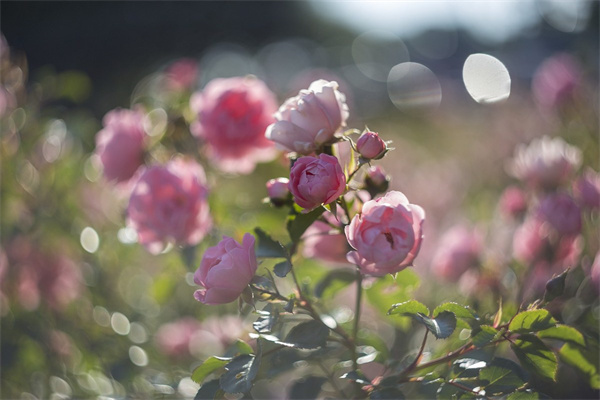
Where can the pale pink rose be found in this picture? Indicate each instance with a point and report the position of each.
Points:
(562, 213)
(371, 146)
(387, 235)
(311, 119)
(216, 334)
(226, 270)
(545, 163)
(181, 74)
(315, 181)
(173, 338)
(278, 190)
(324, 243)
(459, 250)
(169, 204)
(120, 144)
(586, 189)
(513, 202)
(232, 116)
(555, 80)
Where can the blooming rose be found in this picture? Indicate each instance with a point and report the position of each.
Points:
(310, 119)
(226, 270)
(120, 145)
(555, 80)
(371, 146)
(315, 181)
(387, 235)
(545, 163)
(233, 114)
(169, 204)
(562, 213)
(586, 189)
(459, 250)
(278, 191)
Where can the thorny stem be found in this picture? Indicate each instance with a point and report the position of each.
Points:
(418, 357)
(356, 317)
(355, 171)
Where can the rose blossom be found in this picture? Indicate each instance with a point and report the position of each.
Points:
(324, 243)
(278, 191)
(174, 337)
(562, 213)
(226, 270)
(169, 204)
(315, 181)
(120, 144)
(387, 235)
(586, 189)
(459, 250)
(232, 116)
(371, 146)
(311, 119)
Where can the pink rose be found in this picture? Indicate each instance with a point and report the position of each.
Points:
(562, 213)
(226, 270)
(513, 202)
(169, 204)
(315, 181)
(278, 191)
(181, 74)
(371, 146)
(586, 189)
(310, 119)
(324, 243)
(174, 338)
(458, 251)
(555, 80)
(120, 145)
(232, 116)
(387, 235)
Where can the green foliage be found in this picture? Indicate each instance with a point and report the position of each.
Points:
(564, 333)
(306, 388)
(391, 290)
(333, 282)
(307, 335)
(408, 308)
(269, 247)
(458, 310)
(208, 367)
(501, 376)
(282, 269)
(531, 321)
(535, 357)
(442, 326)
(210, 390)
(298, 223)
(484, 335)
(583, 360)
(240, 373)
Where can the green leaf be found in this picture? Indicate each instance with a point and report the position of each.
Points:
(269, 247)
(297, 224)
(564, 333)
(386, 394)
(501, 375)
(410, 308)
(265, 323)
(282, 269)
(535, 356)
(209, 390)
(306, 388)
(441, 327)
(334, 281)
(307, 335)
(484, 336)
(263, 283)
(209, 366)
(525, 395)
(241, 371)
(242, 347)
(584, 360)
(390, 290)
(458, 310)
(531, 321)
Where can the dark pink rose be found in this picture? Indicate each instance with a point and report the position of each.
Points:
(232, 116)
(555, 80)
(226, 270)
(169, 204)
(586, 189)
(513, 202)
(458, 251)
(322, 242)
(562, 213)
(387, 235)
(315, 181)
(181, 74)
(371, 146)
(120, 144)
(278, 190)
(310, 119)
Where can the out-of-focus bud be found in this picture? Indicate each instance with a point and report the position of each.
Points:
(513, 202)
(278, 191)
(555, 286)
(562, 213)
(376, 181)
(586, 190)
(556, 80)
(371, 146)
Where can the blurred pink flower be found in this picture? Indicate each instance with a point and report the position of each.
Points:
(173, 338)
(586, 189)
(324, 243)
(387, 235)
(311, 119)
(232, 116)
(562, 213)
(226, 270)
(181, 74)
(555, 80)
(278, 190)
(376, 180)
(120, 144)
(216, 334)
(169, 204)
(459, 250)
(513, 202)
(371, 146)
(595, 272)
(315, 181)
(545, 163)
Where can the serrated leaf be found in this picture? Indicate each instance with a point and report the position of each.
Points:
(441, 327)
(265, 323)
(484, 336)
(334, 281)
(209, 366)
(525, 395)
(501, 375)
(282, 269)
(584, 360)
(240, 372)
(564, 333)
(458, 310)
(409, 308)
(306, 388)
(263, 283)
(269, 247)
(390, 290)
(307, 335)
(209, 390)
(297, 224)
(531, 321)
(386, 394)
(535, 356)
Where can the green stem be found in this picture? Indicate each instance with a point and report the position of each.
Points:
(357, 316)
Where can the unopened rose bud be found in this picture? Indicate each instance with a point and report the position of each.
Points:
(376, 181)
(278, 191)
(371, 146)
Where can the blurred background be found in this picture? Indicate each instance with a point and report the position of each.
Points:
(116, 316)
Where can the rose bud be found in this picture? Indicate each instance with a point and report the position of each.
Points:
(371, 146)
(278, 191)
(387, 235)
(376, 180)
(226, 270)
(312, 118)
(315, 181)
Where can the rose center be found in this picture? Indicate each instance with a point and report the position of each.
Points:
(389, 238)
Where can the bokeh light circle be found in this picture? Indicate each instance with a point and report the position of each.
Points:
(412, 86)
(376, 52)
(486, 78)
